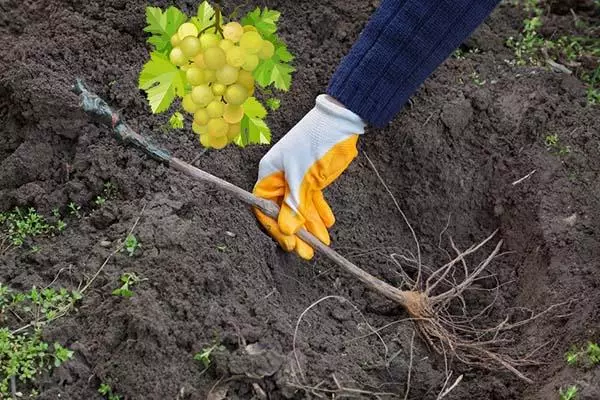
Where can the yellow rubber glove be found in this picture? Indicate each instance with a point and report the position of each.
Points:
(304, 162)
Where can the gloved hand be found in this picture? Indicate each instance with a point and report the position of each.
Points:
(305, 161)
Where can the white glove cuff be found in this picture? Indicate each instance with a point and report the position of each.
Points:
(346, 120)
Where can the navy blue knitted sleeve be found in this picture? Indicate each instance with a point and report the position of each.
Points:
(402, 44)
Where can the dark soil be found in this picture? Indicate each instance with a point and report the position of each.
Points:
(450, 158)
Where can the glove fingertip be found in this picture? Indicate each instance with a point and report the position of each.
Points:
(304, 250)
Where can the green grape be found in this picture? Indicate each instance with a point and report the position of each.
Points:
(175, 40)
(201, 130)
(187, 29)
(246, 79)
(218, 142)
(226, 44)
(217, 127)
(202, 95)
(177, 57)
(215, 108)
(236, 94)
(199, 61)
(236, 56)
(251, 42)
(188, 104)
(218, 89)
(214, 57)
(248, 28)
(210, 75)
(233, 31)
(205, 140)
(190, 46)
(195, 76)
(201, 116)
(208, 40)
(227, 75)
(251, 62)
(234, 131)
(233, 114)
(267, 50)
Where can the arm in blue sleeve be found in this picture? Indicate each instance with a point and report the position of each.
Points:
(402, 44)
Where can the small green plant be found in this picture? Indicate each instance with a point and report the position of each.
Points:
(21, 224)
(106, 391)
(128, 280)
(554, 144)
(569, 393)
(110, 190)
(532, 49)
(204, 356)
(131, 244)
(74, 209)
(585, 356)
(477, 79)
(23, 353)
(572, 356)
(593, 353)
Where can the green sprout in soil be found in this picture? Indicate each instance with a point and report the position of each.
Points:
(569, 393)
(24, 356)
(593, 353)
(131, 244)
(554, 145)
(106, 391)
(204, 356)
(109, 192)
(74, 209)
(21, 224)
(586, 356)
(128, 280)
(531, 48)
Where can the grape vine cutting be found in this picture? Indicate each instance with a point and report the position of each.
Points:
(214, 67)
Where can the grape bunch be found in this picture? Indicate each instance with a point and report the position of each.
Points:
(219, 70)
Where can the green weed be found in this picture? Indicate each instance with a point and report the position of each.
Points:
(21, 224)
(569, 393)
(131, 244)
(106, 391)
(554, 144)
(74, 209)
(128, 280)
(585, 356)
(204, 356)
(23, 353)
(532, 49)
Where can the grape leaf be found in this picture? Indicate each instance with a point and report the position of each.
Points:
(282, 52)
(253, 108)
(205, 16)
(163, 25)
(176, 120)
(162, 81)
(264, 21)
(274, 72)
(273, 103)
(254, 130)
